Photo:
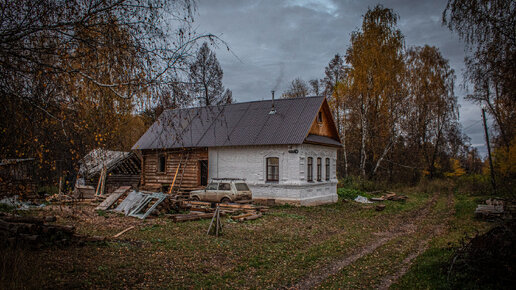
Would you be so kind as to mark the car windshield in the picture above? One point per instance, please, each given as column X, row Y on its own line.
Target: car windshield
column 212, row 186
column 241, row 187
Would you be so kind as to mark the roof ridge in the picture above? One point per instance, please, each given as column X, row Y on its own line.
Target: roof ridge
column 241, row 103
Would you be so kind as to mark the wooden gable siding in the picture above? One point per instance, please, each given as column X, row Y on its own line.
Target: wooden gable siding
column 327, row 126
column 191, row 178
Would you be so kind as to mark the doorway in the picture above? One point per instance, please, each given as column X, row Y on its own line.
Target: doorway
column 203, row 167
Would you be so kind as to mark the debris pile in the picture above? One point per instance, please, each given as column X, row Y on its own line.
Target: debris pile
column 37, row 232
column 489, row 258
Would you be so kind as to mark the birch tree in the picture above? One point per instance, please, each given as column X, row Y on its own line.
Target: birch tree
column 376, row 60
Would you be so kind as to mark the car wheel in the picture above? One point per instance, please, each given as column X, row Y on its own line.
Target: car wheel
column 225, row 200
column 195, row 198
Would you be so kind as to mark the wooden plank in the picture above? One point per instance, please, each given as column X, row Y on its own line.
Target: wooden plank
column 111, row 199
column 123, row 232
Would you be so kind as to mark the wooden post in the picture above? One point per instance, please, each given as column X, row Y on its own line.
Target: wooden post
column 218, row 222
column 493, row 183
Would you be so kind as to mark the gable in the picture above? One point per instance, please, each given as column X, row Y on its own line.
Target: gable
column 323, row 124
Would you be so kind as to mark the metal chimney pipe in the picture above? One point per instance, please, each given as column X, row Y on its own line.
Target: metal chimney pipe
column 273, row 110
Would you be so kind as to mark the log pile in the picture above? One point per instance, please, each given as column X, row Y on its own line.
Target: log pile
column 37, row 232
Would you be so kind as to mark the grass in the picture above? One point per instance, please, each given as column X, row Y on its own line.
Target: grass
column 277, row 250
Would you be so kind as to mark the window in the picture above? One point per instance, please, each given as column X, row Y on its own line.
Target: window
column 310, row 169
column 161, row 163
column 272, row 169
column 212, row 186
column 327, row 168
column 224, row 186
column 319, row 117
column 319, row 169
column 241, row 187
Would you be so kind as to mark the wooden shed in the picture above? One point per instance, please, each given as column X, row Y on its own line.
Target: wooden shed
column 122, row 169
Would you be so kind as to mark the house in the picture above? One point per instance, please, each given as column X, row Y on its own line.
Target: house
column 122, row 169
column 285, row 149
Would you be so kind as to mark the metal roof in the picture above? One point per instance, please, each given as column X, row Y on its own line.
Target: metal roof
column 95, row 160
column 237, row 124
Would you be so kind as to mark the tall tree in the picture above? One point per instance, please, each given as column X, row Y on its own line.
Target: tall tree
column 335, row 77
column 431, row 123
column 298, row 89
column 72, row 73
column 489, row 30
column 376, row 59
column 315, row 85
column 206, row 78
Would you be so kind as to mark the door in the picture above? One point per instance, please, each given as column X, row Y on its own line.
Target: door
column 224, row 190
column 203, row 167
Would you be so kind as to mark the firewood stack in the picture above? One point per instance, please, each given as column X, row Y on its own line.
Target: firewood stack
column 36, row 232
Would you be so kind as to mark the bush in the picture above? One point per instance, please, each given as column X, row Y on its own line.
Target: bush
column 348, row 193
column 474, row 184
column 357, row 183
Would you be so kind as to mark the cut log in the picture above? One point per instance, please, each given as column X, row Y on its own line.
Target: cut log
column 253, row 217
column 242, row 216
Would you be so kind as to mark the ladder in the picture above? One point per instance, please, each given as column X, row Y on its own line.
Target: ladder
column 180, row 167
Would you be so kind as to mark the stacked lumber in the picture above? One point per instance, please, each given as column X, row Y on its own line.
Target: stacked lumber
column 389, row 195
column 493, row 209
column 37, row 232
column 204, row 210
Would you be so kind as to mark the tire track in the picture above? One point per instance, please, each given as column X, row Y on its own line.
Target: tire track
column 316, row 278
column 437, row 230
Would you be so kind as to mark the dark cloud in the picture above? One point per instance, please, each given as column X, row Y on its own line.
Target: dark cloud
column 283, row 40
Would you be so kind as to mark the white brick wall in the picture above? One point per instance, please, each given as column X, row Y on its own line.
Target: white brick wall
column 250, row 163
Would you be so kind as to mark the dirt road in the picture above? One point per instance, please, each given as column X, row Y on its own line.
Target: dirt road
column 415, row 223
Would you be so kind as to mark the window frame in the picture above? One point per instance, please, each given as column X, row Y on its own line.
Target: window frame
column 162, row 164
column 319, row 117
column 319, row 169
column 328, row 168
column 270, row 176
column 309, row 169
column 222, row 184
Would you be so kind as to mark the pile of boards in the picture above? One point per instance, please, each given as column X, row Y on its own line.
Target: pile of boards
column 38, row 232
column 390, row 196
column 205, row 210
column 496, row 209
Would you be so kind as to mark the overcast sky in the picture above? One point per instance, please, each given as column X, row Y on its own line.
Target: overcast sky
column 274, row 42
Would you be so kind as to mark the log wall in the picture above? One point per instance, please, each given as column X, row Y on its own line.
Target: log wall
column 191, row 179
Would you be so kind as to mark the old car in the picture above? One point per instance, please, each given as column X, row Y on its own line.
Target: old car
column 223, row 190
